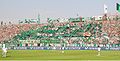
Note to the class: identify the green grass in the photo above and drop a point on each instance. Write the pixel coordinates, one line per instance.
(58, 55)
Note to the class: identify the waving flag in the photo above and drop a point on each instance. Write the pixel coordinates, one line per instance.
(118, 7)
(105, 9)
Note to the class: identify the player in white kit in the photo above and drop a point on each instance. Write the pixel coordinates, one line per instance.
(99, 49)
(4, 51)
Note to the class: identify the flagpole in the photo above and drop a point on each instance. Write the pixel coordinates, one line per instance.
(105, 12)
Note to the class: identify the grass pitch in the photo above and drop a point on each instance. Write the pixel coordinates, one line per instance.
(59, 55)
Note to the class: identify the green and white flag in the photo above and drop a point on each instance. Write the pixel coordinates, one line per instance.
(118, 7)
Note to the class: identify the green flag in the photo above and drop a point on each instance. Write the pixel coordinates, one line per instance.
(118, 7)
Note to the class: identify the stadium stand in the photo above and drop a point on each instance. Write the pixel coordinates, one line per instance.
(74, 32)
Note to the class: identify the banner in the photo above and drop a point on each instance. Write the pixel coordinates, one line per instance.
(65, 48)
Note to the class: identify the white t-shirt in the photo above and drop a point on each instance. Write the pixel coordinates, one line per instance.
(4, 49)
(99, 48)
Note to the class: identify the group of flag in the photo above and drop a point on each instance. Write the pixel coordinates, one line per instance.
(117, 8)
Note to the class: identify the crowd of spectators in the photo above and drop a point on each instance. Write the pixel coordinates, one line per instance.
(7, 32)
(105, 31)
